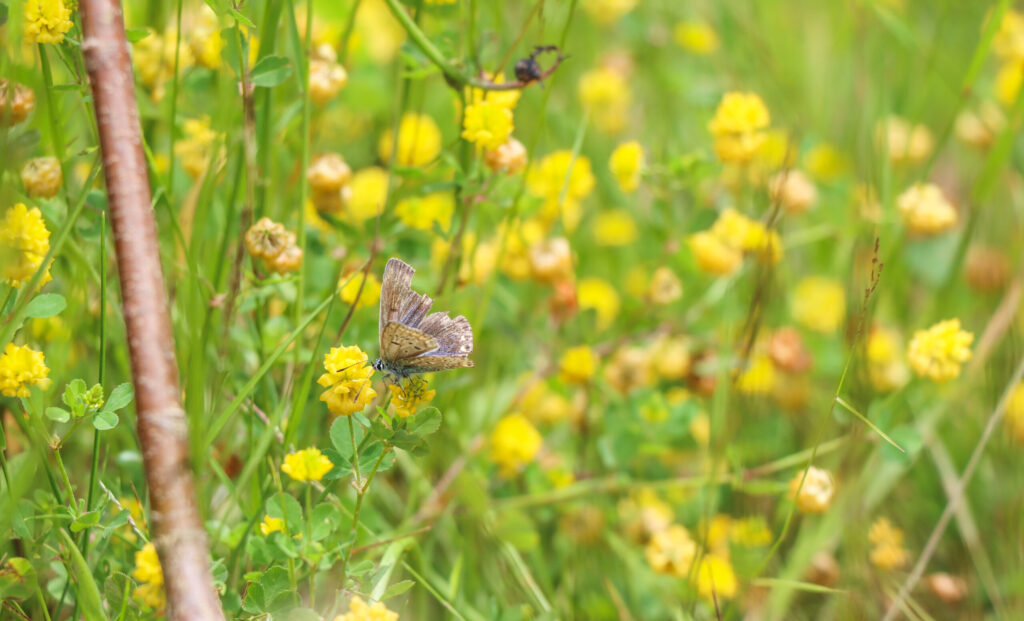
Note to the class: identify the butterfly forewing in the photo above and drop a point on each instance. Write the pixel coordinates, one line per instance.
(400, 342)
(394, 289)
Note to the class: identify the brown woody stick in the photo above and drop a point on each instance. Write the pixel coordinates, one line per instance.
(163, 432)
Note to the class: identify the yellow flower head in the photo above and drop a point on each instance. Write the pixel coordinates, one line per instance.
(508, 158)
(195, 149)
(601, 296)
(1014, 417)
(350, 290)
(758, 378)
(515, 442)
(42, 176)
(148, 572)
(24, 242)
(819, 304)
(793, 190)
(886, 369)
(306, 465)
(626, 164)
(670, 357)
(614, 228)
(628, 369)
(558, 170)
(422, 212)
(543, 405)
(358, 610)
(347, 380)
(419, 141)
(696, 37)
(608, 12)
(716, 579)
(904, 142)
(738, 125)
(369, 190)
(714, 256)
(645, 514)
(1008, 81)
(271, 525)
(750, 532)
(825, 162)
(326, 79)
(506, 99)
(21, 367)
(671, 551)
(888, 552)
(606, 94)
(665, 287)
(204, 38)
(1008, 43)
(939, 352)
(46, 21)
(578, 365)
(816, 494)
(925, 210)
(487, 124)
(406, 399)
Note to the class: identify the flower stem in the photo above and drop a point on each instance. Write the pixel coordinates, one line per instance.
(360, 494)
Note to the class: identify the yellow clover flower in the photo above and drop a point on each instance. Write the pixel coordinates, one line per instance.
(626, 163)
(419, 141)
(606, 94)
(369, 191)
(422, 212)
(21, 367)
(819, 304)
(271, 525)
(487, 124)
(407, 399)
(306, 465)
(577, 365)
(738, 125)
(347, 380)
(615, 228)
(671, 551)
(715, 578)
(925, 210)
(351, 284)
(939, 352)
(149, 573)
(1014, 418)
(515, 442)
(601, 296)
(46, 21)
(24, 242)
(558, 170)
(696, 37)
(358, 610)
(816, 494)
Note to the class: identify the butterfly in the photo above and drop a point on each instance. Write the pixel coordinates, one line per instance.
(411, 341)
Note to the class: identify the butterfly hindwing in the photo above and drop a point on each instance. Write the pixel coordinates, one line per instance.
(430, 363)
(454, 336)
(401, 342)
(394, 289)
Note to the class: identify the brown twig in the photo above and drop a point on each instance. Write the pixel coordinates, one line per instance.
(179, 535)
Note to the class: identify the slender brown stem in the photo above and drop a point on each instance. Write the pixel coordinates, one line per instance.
(163, 431)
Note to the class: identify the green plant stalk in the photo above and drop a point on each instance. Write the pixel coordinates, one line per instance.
(308, 543)
(56, 128)
(354, 532)
(173, 112)
(94, 467)
(3, 460)
(350, 23)
(307, 111)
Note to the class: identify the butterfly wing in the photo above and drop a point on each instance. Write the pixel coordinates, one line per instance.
(431, 362)
(454, 336)
(394, 290)
(399, 342)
